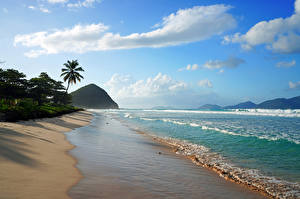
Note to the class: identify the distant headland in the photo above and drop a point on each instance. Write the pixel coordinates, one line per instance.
(92, 96)
(278, 103)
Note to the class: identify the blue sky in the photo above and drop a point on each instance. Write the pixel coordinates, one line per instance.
(160, 52)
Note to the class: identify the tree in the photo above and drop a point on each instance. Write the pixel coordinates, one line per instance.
(41, 88)
(45, 89)
(71, 72)
(12, 84)
(59, 94)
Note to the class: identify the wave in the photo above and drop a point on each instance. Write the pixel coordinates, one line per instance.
(254, 112)
(207, 128)
(128, 115)
(201, 155)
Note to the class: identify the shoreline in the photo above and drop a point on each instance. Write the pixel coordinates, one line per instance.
(185, 149)
(35, 159)
(175, 149)
(267, 186)
(74, 165)
(123, 162)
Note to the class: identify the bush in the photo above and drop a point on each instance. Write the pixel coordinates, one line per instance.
(28, 109)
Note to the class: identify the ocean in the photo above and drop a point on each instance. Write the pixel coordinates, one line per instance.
(259, 148)
(118, 161)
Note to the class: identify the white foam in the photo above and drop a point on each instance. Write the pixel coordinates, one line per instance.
(276, 188)
(128, 115)
(255, 112)
(201, 155)
(147, 119)
(224, 131)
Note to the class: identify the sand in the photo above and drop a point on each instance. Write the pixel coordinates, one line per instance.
(34, 159)
(119, 162)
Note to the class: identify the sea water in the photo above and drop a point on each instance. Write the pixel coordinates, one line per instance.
(255, 147)
(118, 162)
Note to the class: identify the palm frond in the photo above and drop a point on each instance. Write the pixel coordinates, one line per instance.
(67, 77)
(78, 75)
(67, 65)
(79, 69)
(78, 78)
(71, 72)
(64, 73)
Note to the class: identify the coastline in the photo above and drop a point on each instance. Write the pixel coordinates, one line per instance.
(197, 138)
(266, 188)
(117, 160)
(270, 187)
(34, 157)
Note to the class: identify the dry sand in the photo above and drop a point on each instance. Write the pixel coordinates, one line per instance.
(34, 159)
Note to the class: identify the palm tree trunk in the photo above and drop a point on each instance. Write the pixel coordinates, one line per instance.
(68, 87)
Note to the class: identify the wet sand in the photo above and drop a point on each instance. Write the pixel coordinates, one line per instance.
(118, 162)
(34, 159)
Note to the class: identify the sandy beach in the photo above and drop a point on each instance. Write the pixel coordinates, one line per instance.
(119, 162)
(34, 159)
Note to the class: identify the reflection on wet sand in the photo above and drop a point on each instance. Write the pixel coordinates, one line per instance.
(119, 162)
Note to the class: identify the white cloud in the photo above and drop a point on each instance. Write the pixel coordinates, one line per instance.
(32, 7)
(160, 90)
(160, 85)
(279, 35)
(231, 62)
(184, 26)
(286, 64)
(85, 3)
(189, 67)
(57, 1)
(205, 83)
(79, 39)
(294, 85)
(42, 9)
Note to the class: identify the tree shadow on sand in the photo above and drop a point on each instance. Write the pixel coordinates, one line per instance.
(58, 121)
(13, 150)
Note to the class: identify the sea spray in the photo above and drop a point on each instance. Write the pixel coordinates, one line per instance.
(207, 128)
(259, 151)
(201, 155)
(253, 112)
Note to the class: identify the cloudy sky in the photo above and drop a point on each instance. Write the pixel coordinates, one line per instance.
(160, 52)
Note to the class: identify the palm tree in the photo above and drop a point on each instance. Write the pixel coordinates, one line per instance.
(71, 72)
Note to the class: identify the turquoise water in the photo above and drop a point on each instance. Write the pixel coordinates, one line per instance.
(264, 141)
(117, 162)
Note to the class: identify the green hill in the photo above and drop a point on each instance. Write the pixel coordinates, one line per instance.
(92, 96)
(210, 107)
(281, 103)
(244, 105)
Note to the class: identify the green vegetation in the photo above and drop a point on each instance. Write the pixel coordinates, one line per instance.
(92, 96)
(42, 96)
(71, 72)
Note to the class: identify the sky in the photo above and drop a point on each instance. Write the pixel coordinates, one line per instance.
(145, 53)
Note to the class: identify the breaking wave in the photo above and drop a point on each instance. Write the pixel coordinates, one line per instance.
(201, 155)
(181, 126)
(255, 112)
(207, 128)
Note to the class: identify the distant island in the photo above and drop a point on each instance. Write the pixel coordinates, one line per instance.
(278, 103)
(163, 108)
(243, 105)
(92, 96)
(210, 107)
